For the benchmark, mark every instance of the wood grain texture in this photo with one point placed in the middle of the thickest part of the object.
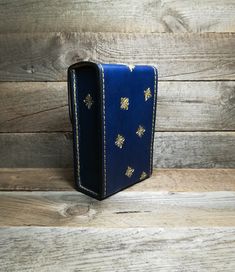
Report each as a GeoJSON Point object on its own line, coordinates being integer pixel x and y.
{"type": "Point", "coordinates": [117, 16]}
{"type": "Point", "coordinates": [105, 250]}
{"type": "Point", "coordinates": [194, 149]}
{"type": "Point", "coordinates": [185, 56]}
{"type": "Point", "coordinates": [169, 180]}
{"type": "Point", "coordinates": [37, 179]}
{"type": "Point", "coordinates": [36, 150]}
{"type": "Point", "coordinates": [171, 149]}
{"type": "Point", "coordinates": [179, 219]}
{"type": "Point", "coordinates": [125, 209]}
{"type": "Point", "coordinates": [32, 107]}
{"type": "Point", "coordinates": [182, 106]}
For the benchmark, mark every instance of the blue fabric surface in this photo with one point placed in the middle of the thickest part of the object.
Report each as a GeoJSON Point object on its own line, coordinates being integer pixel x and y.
{"type": "Point", "coordinates": [121, 82]}
{"type": "Point", "coordinates": [103, 159]}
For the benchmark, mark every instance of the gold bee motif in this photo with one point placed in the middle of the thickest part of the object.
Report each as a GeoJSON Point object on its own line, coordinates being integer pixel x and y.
{"type": "Point", "coordinates": [140, 131]}
{"type": "Point", "coordinates": [119, 141]}
{"type": "Point", "coordinates": [131, 67]}
{"type": "Point", "coordinates": [147, 94]}
{"type": "Point", "coordinates": [88, 101]}
{"type": "Point", "coordinates": [143, 175]}
{"type": "Point", "coordinates": [129, 171]}
{"type": "Point", "coordinates": [124, 104]}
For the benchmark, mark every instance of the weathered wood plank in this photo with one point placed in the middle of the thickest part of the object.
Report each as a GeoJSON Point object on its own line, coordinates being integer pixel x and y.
{"type": "Point", "coordinates": [117, 16]}
{"type": "Point", "coordinates": [31, 107]}
{"type": "Point", "coordinates": [36, 150]}
{"type": "Point", "coordinates": [194, 150]}
{"type": "Point", "coordinates": [186, 56]}
{"type": "Point", "coordinates": [125, 209]}
{"type": "Point", "coordinates": [171, 149]}
{"type": "Point", "coordinates": [193, 106]}
{"type": "Point", "coordinates": [182, 106]}
{"type": "Point", "coordinates": [87, 249]}
{"type": "Point", "coordinates": [34, 179]}
{"type": "Point", "coordinates": [169, 180]}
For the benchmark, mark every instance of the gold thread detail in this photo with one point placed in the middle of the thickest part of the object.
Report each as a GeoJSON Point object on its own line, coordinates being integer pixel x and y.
{"type": "Point", "coordinates": [88, 101]}
{"type": "Point", "coordinates": [147, 94]}
{"type": "Point", "coordinates": [140, 131]}
{"type": "Point", "coordinates": [129, 171]}
{"type": "Point", "coordinates": [104, 128]}
{"type": "Point", "coordinates": [124, 103]}
{"type": "Point", "coordinates": [143, 175]}
{"type": "Point", "coordinates": [77, 140]}
{"type": "Point", "coordinates": [131, 67]}
{"type": "Point", "coordinates": [119, 141]}
{"type": "Point", "coordinates": [153, 119]}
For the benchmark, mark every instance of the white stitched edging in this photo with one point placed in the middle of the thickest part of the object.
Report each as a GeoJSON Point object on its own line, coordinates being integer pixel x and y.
{"type": "Point", "coordinates": [76, 133]}
{"type": "Point", "coordinates": [153, 115]}
{"type": "Point", "coordinates": [104, 128]}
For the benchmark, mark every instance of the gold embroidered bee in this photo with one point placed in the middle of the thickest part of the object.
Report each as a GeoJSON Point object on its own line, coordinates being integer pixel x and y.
{"type": "Point", "coordinates": [131, 67]}
{"type": "Point", "coordinates": [129, 171]}
{"type": "Point", "coordinates": [119, 141]}
{"type": "Point", "coordinates": [140, 131]}
{"type": "Point", "coordinates": [88, 101]}
{"type": "Point", "coordinates": [143, 175]}
{"type": "Point", "coordinates": [147, 94]}
{"type": "Point", "coordinates": [124, 103]}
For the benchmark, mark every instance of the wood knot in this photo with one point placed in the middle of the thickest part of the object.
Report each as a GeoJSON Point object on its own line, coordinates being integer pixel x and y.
{"type": "Point", "coordinates": [29, 69]}
{"type": "Point", "coordinates": [76, 210]}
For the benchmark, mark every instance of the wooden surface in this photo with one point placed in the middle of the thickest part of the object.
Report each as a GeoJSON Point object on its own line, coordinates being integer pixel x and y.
{"type": "Point", "coordinates": [172, 180]}
{"type": "Point", "coordinates": [191, 43]}
{"type": "Point", "coordinates": [117, 16]}
{"type": "Point", "coordinates": [171, 149]}
{"type": "Point", "coordinates": [162, 223]}
{"type": "Point", "coordinates": [182, 106]}
{"type": "Point", "coordinates": [87, 249]}
{"type": "Point", "coordinates": [181, 56]}
{"type": "Point", "coordinates": [127, 209]}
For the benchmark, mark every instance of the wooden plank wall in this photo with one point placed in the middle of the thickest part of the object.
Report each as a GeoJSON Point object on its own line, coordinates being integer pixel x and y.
{"type": "Point", "coordinates": [178, 220]}
{"type": "Point", "coordinates": [192, 43]}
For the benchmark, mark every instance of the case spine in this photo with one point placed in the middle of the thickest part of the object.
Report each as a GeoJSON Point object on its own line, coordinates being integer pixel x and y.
{"type": "Point", "coordinates": [86, 167]}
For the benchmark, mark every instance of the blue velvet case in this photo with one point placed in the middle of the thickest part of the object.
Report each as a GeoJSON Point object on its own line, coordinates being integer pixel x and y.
{"type": "Point", "coordinates": [112, 109]}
